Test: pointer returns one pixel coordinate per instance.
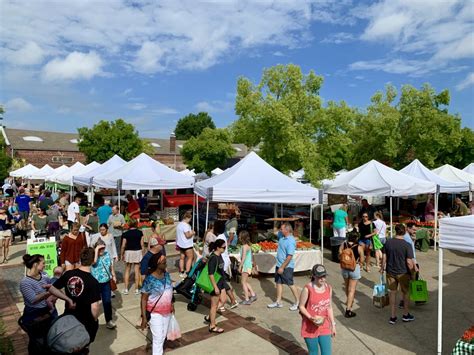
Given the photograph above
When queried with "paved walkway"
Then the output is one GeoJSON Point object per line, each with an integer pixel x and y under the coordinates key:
{"type": "Point", "coordinates": [256, 329]}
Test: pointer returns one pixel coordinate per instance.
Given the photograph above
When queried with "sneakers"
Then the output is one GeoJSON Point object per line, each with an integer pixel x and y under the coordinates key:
{"type": "Point", "coordinates": [349, 314]}
{"type": "Point", "coordinates": [392, 320]}
{"type": "Point", "coordinates": [253, 298]}
{"type": "Point", "coordinates": [124, 292]}
{"type": "Point", "coordinates": [246, 302]}
{"type": "Point", "coordinates": [275, 305]}
{"type": "Point", "coordinates": [235, 305]}
{"type": "Point", "coordinates": [111, 325]}
{"type": "Point", "coordinates": [137, 292]}
{"type": "Point", "coordinates": [294, 307]}
{"type": "Point", "coordinates": [112, 294]}
{"type": "Point", "coordinates": [182, 275]}
{"type": "Point", "coordinates": [408, 317]}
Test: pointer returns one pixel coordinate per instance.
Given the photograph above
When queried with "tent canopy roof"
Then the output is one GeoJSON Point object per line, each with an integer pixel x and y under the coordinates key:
{"type": "Point", "coordinates": [143, 172]}
{"type": "Point", "coordinates": [65, 178]}
{"type": "Point", "coordinates": [376, 179]}
{"type": "Point", "coordinates": [254, 180]}
{"type": "Point", "coordinates": [24, 171]}
{"type": "Point", "coordinates": [84, 177]}
{"type": "Point", "coordinates": [456, 233]}
{"type": "Point", "coordinates": [42, 173]}
{"type": "Point", "coordinates": [451, 173]}
{"type": "Point", "coordinates": [418, 170]}
{"type": "Point", "coordinates": [469, 169]}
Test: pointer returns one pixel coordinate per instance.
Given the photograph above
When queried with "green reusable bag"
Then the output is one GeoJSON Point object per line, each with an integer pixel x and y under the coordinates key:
{"type": "Point", "coordinates": [377, 243]}
{"type": "Point", "coordinates": [418, 291]}
{"type": "Point", "coordinates": [204, 282]}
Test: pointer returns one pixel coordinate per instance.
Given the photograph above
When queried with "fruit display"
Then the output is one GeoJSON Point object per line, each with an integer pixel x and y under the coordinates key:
{"type": "Point", "coordinates": [255, 248]}
{"type": "Point", "coordinates": [304, 245]}
{"type": "Point", "coordinates": [140, 225]}
{"type": "Point", "coordinates": [422, 224]}
{"type": "Point", "coordinates": [268, 246]}
{"type": "Point", "coordinates": [468, 336]}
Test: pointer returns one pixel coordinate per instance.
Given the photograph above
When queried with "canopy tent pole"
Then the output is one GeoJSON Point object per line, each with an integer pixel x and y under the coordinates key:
{"type": "Point", "coordinates": [310, 222]}
{"type": "Point", "coordinates": [197, 212]}
{"type": "Point", "coordinates": [391, 218]}
{"type": "Point", "coordinates": [436, 219]}
{"type": "Point", "coordinates": [92, 196]}
{"type": "Point", "coordinates": [119, 200]}
{"type": "Point", "coordinates": [281, 210]}
{"type": "Point", "coordinates": [193, 214]}
{"type": "Point", "coordinates": [275, 215]}
{"type": "Point", "coordinates": [207, 212]}
{"type": "Point", "coordinates": [322, 236]}
{"type": "Point", "coordinates": [440, 300]}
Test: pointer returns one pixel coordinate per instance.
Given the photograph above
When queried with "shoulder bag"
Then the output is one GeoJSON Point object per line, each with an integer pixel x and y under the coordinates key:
{"type": "Point", "coordinates": [113, 284]}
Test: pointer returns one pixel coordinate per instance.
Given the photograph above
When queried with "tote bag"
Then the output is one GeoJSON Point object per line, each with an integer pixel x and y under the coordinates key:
{"type": "Point", "coordinates": [204, 282]}
{"type": "Point", "coordinates": [418, 291]}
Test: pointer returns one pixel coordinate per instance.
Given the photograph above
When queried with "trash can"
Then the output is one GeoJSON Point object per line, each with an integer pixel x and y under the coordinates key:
{"type": "Point", "coordinates": [335, 244]}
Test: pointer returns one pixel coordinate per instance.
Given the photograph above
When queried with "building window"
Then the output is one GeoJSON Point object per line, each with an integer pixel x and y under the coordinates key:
{"type": "Point", "coordinates": [156, 145]}
{"type": "Point", "coordinates": [62, 160]}
{"type": "Point", "coordinates": [74, 141]}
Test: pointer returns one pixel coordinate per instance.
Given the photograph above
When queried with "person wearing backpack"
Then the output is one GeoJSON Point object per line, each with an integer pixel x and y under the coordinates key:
{"type": "Point", "coordinates": [351, 256]}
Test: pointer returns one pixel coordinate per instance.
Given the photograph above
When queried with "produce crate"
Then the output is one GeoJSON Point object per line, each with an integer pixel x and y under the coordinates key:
{"type": "Point", "coordinates": [171, 212]}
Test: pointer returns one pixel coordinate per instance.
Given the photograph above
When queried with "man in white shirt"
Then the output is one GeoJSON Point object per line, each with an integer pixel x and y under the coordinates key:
{"type": "Point", "coordinates": [73, 212]}
{"type": "Point", "coordinates": [225, 256]}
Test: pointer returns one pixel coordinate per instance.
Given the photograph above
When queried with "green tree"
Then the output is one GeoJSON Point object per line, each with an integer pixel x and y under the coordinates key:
{"type": "Point", "coordinates": [192, 125]}
{"type": "Point", "coordinates": [211, 149]}
{"type": "Point", "coordinates": [464, 154]}
{"type": "Point", "coordinates": [279, 115]}
{"type": "Point", "coordinates": [376, 133]}
{"type": "Point", "coordinates": [105, 139]}
{"type": "Point", "coordinates": [5, 160]}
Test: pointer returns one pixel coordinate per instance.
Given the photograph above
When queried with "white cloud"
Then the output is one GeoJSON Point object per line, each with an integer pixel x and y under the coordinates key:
{"type": "Point", "coordinates": [29, 54]}
{"type": "Point", "coordinates": [165, 111]}
{"type": "Point", "coordinates": [126, 92]}
{"type": "Point", "coordinates": [136, 106]}
{"type": "Point", "coordinates": [148, 58]}
{"type": "Point", "coordinates": [74, 66]}
{"type": "Point", "coordinates": [438, 33]}
{"type": "Point", "coordinates": [338, 38]}
{"type": "Point", "coordinates": [278, 54]}
{"type": "Point", "coordinates": [18, 104]}
{"type": "Point", "coordinates": [214, 106]}
{"type": "Point", "coordinates": [468, 81]}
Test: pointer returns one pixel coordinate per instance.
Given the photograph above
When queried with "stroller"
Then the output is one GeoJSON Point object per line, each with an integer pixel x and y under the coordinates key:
{"type": "Point", "coordinates": [188, 287]}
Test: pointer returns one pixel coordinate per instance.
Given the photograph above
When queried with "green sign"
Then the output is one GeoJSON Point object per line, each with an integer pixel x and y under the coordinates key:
{"type": "Point", "coordinates": [48, 250]}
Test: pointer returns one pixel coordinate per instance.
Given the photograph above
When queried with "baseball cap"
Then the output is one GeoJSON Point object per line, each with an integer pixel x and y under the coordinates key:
{"type": "Point", "coordinates": [318, 270]}
{"type": "Point", "coordinates": [153, 242]}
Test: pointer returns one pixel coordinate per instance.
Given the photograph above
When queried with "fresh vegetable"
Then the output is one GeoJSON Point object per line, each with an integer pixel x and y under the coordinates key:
{"type": "Point", "coordinates": [468, 335]}
{"type": "Point", "coordinates": [268, 246]}
{"type": "Point", "coordinates": [304, 245]}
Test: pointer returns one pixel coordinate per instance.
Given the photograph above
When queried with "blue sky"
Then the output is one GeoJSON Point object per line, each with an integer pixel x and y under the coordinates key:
{"type": "Point", "coordinates": [152, 62]}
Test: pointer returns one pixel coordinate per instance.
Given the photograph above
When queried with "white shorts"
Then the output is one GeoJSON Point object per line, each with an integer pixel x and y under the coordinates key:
{"type": "Point", "coordinates": [340, 232]}
{"type": "Point", "coordinates": [133, 256]}
{"type": "Point", "coordinates": [5, 234]}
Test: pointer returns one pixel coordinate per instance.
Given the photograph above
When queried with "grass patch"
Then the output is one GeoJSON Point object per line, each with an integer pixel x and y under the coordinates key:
{"type": "Point", "coordinates": [6, 345]}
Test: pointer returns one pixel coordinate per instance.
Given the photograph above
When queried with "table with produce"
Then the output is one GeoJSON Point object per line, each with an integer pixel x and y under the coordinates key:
{"type": "Point", "coordinates": [264, 253]}
{"type": "Point", "coordinates": [167, 229]}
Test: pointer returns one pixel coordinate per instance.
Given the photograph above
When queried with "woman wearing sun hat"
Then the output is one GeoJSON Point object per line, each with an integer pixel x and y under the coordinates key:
{"type": "Point", "coordinates": [318, 325]}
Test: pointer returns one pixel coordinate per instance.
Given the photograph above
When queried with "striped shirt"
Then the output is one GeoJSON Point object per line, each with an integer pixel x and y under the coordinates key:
{"type": "Point", "coordinates": [30, 288]}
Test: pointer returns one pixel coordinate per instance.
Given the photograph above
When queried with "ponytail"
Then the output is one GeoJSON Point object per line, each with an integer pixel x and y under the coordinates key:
{"type": "Point", "coordinates": [217, 244]}
{"type": "Point", "coordinates": [30, 260]}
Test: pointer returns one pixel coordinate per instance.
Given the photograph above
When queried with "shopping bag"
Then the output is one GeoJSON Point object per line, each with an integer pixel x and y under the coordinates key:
{"type": "Point", "coordinates": [204, 282]}
{"type": "Point", "coordinates": [377, 243]}
{"type": "Point", "coordinates": [418, 291]}
{"type": "Point", "coordinates": [174, 332]}
{"type": "Point", "coordinates": [380, 296]}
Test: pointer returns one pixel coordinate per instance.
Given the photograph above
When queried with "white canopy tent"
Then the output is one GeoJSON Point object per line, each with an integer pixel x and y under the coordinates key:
{"type": "Point", "coordinates": [254, 180]}
{"type": "Point", "coordinates": [456, 233]}
{"type": "Point", "coordinates": [188, 172]}
{"type": "Point", "coordinates": [24, 171]}
{"type": "Point", "coordinates": [57, 171]}
{"type": "Point", "coordinates": [65, 178]}
{"type": "Point", "coordinates": [84, 178]}
{"type": "Point", "coordinates": [451, 173]}
{"type": "Point", "coordinates": [217, 171]}
{"type": "Point", "coordinates": [375, 179]}
{"type": "Point", "coordinates": [469, 169]}
{"type": "Point", "coordinates": [42, 173]}
{"type": "Point", "coordinates": [418, 170]}
{"type": "Point", "coordinates": [143, 173]}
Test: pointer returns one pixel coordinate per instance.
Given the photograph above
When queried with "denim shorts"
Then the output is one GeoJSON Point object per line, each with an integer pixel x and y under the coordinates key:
{"type": "Point", "coordinates": [353, 275]}
{"type": "Point", "coordinates": [286, 278]}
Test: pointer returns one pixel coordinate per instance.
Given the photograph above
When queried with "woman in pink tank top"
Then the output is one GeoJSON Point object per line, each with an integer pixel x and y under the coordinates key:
{"type": "Point", "coordinates": [317, 326]}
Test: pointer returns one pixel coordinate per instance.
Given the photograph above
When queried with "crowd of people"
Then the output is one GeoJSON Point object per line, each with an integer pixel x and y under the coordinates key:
{"type": "Point", "coordinates": [91, 246]}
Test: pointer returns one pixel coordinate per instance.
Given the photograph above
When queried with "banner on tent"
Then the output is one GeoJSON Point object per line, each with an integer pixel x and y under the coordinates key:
{"type": "Point", "coordinates": [48, 250]}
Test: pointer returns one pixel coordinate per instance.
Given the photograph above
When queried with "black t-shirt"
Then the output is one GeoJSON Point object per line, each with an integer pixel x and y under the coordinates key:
{"type": "Point", "coordinates": [366, 229]}
{"type": "Point", "coordinates": [44, 205]}
{"type": "Point", "coordinates": [133, 238]}
{"type": "Point", "coordinates": [397, 252]}
{"type": "Point", "coordinates": [83, 289]}
{"type": "Point", "coordinates": [215, 263]}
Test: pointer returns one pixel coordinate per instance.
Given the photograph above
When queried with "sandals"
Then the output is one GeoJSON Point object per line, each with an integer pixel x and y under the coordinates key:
{"type": "Point", "coordinates": [216, 330]}
{"type": "Point", "coordinates": [207, 319]}
{"type": "Point", "coordinates": [221, 309]}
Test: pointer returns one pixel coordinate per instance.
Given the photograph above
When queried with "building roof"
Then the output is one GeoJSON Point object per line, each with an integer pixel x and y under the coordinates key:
{"type": "Point", "coordinates": [22, 139]}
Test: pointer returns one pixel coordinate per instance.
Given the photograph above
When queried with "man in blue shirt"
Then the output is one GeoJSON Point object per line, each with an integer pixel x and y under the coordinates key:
{"type": "Point", "coordinates": [285, 266]}
{"type": "Point", "coordinates": [104, 212]}
{"type": "Point", "coordinates": [23, 204]}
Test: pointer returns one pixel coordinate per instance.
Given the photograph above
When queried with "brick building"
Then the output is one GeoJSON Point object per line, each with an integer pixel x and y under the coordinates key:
{"type": "Point", "coordinates": [57, 148]}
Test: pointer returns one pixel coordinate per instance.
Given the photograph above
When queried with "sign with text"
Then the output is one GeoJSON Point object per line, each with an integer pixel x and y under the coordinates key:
{"type": "Point", "coordinates": [48, 250]}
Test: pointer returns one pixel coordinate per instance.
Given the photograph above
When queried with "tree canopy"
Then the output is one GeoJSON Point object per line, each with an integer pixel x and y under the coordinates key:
{"type": "Point", "coordinates": [5, 160]}
{"type": "Point", "coordinates": [192, 125]}
{"type": "Point", "coordinates": [105, 139]}
{"type": "Point", "coordinates": [211, 149]}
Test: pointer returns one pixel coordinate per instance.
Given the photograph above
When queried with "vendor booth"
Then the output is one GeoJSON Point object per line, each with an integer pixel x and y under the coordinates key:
{"type": "Point", "coordinates": [84, 178]}
{"type": "Point", "coordinates": [254, 180]}
{"type": "Point", "coordinates": [41, 174]}
{"type": "Point", "coordinates": [469, 169]}
{"type": "Point", "coordinates": [25, 171]}
{"type": "Point", "coordinates": [455, 233]}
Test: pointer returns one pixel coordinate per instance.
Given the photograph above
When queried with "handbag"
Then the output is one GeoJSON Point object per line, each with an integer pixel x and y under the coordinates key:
{"type": "Point", "coordinates": [418, 290]}
{"type": "Point", "coordinates": [204, 282]}
{"type": "Point", "coordinates": [174, 331]}
{"type": "Point", "coordinates": [377, 243]}
{"type": "Point", "coordinates": [380, 296]}
{"type": "Point", "coordinates": [113, 284]}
